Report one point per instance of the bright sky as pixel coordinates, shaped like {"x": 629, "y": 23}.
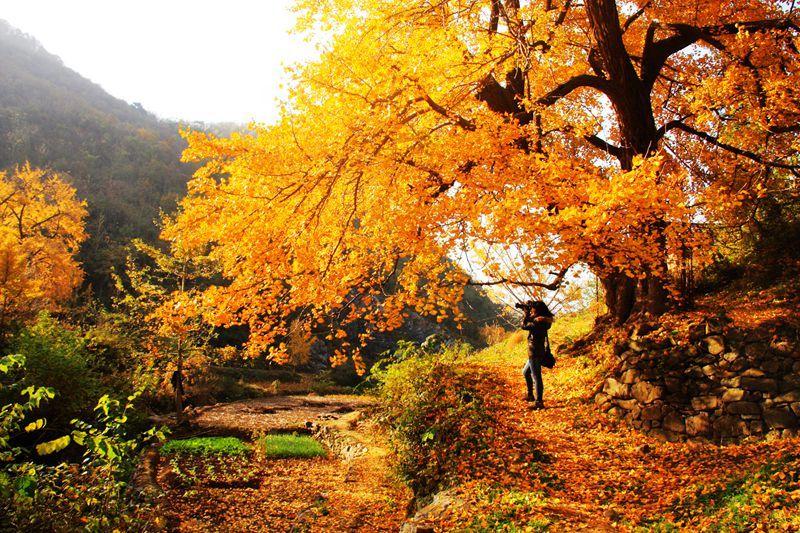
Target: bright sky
{"x": 182, "y": 59}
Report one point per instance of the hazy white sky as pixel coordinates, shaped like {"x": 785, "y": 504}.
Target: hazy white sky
{"x": 182, "y": 59}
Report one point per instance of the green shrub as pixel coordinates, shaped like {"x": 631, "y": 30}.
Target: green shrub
{"x": 207, "y": 446}
{"x": 287, "y": 446}
{"x": 437, "y": 409}
{"x": 56, "y": 357}
{"x": 92, "y": 495}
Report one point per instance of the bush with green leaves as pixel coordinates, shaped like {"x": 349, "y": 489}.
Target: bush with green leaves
{"x": 437, "y": 408}
{"x": 57, "y": 357}
{"x": 92, "y": 495}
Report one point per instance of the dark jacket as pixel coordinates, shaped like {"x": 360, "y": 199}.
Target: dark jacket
{"x": 537, "y": 334}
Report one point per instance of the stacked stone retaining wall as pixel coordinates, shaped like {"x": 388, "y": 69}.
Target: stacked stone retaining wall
{"x": 713, "y": 382}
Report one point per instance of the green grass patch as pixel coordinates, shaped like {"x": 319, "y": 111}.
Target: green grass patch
{"x": 288, "y": 446}
{"x": 206, "y": 446}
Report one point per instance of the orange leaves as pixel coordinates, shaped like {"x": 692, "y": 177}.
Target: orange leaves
{"x": 41, "y": 228}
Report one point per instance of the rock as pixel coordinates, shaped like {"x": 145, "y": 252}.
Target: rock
{"x": 643, "y": 329}
{"x": 733, "y": 383}
{"x": 716, "y": 325}
{"x": 674, "y": 422}
{"x": 709, "y": 371}
{"x": 788, "y": 397}
{"x": 758, "y": 384}
{"x": 651, "y": 412}
{"x": 615, "y": 389}
{"x": 628, "y": 405}
{"x": 730, "y": 357}
{"x": 729, "y": 426}
{"x": 755, "y": 350}
{"x": 630, "y": 376}
{"x": 673, "y": 385}
{"x": 715, "y": 344}
{"x": 753, "y": 373}
{"x": 636, "y": 346}
{"x": 772, "y": 366}
{"x": 601, "y": 398}
{"x": 782, "y": 346}
{"x": 697, "y": 332}
{"x": 698, "y": 424}
{"x": 732, "y": 395}
{"x": 646, "y": 392}
{"x": 780, "y": 418}
{"x": 743, "y": 408}
{"x": 773, "y": 435}
{"x": 796, "y": 408}
{"x": 705, "y": 403}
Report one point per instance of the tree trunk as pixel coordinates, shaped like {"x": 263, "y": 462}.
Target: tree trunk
{"x": 620, "y": 295}
{"x": 634, "y": 113}
{"x": 177, "y": 385}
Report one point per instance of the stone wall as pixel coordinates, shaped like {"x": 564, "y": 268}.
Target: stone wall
{"x": 710, "y": 381}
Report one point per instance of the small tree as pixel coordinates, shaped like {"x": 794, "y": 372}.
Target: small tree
{"x": 41, "y": 228}
{"x": 158, "y": 300}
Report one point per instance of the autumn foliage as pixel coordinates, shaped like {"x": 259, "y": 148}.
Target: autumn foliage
{"x": 41, "y": 228}
{"x": 519, "y": 138}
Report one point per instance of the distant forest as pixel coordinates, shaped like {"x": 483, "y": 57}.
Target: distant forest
{"x": 123, "y": 160}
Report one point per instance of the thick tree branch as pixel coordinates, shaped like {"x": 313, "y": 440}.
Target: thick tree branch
{"x": 583, "y": 80}
{"x": 553, "y": 285}
{"x": 677, "y": 124}
{"x": 604, "y": 145}
{"x": 657, "y": 52}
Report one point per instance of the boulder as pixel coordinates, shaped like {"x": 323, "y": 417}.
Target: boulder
{"x": 630, "y": 376}
{"x": 674, "y": 422}
{"x": 772, "y": 366}
{"x": 754, "y": 350}
{"x": 743, "y": 408}
{"x": 698, "y": 424}
{"x": 758, "y": 384}
{"x": 601, "y": 398}
{"x": 651, "y": 412}
{"x": 705, "y": 403}
{"x": 780, "y": 418}
{"x": 716, "y": 325}
{"x": 729, "y": 426}
{"x": 730, "y": 357}
{"x": 732, "y": 395}
{"x": 646, "y": 392}
{"x": 715, "y": 344}
{"x": 616, "y": 389}
{"x": 788, "y": 397}
{"x": 628, "y": 405}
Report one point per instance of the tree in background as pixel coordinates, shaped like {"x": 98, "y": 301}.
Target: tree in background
{"x": 528, "y": 137}
{"x": 157, "y": 301}
{"x": 41, "y": 229}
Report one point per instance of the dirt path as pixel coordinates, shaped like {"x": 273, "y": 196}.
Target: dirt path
{"x": 321, "y": 494}
{"x": 599, "y": 474}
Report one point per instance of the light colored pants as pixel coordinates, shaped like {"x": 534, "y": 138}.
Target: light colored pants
{"x": 533, "y": 377}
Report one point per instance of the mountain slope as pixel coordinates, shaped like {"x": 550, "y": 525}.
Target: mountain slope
{"x": 123, "y": 160}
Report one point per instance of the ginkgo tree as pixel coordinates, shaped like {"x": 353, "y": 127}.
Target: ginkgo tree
{"x": 41, "y": 229}
{"x": 157, "y": 305}
{"x": 527, "y": 136}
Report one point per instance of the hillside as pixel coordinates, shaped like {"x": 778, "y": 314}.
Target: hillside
{"x": 122, "y": 159}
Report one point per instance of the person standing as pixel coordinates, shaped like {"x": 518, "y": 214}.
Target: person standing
{"x": 537, "y": 320}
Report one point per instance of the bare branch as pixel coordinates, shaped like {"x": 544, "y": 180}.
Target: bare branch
{"x": 677, "y": 124}
{"x": 553, "y": 285}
